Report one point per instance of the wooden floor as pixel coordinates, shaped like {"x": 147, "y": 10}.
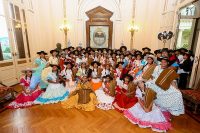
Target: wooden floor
{"x": 54, "y": 119}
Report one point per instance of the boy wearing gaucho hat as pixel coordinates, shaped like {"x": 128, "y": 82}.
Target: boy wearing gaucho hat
{"x": 146, "y": 50}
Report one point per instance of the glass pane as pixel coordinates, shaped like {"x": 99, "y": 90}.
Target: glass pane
{"x": 28, "y": 47}
{"x": 188, "y": 11}
{"x": 12, "y": 14}
{"x": 5, "y": 49}
{"x": 184, "y": 35}
{"x": 19, "y": 39}
{"x": 17, "y": 13}
{"x": 1, "y": 8}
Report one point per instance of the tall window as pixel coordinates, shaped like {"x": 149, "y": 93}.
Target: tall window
{"x": 185, "y": 33}
{"x": 17, "y": 28}
{"x": 188, "y": 26}
{"x": 5, "y": 47}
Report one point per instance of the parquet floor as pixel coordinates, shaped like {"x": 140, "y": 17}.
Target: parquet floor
{"x": 54, "y": 119}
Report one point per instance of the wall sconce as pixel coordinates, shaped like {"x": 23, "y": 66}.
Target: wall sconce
{"x": 65, "y": 27}
{"x": 18, "y": 26}
{"x": 132, "y": 28}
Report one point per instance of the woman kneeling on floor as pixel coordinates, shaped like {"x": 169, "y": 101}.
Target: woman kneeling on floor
{"x": 82, "y": 98}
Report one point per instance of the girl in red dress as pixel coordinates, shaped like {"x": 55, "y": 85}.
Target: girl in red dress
{"x": 26, "y": 98}
{"x": 125, "y": 94}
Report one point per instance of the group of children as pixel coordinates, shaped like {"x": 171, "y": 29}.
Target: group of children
{"x": 141, "y": 85}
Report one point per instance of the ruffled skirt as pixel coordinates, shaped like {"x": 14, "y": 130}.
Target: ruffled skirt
{"x": 105, "y": 101}
{"x": 24, "y": 100}
{"x": 53, "y": 94}
{"x": 170, "y": 100}
{"x": 155, "y": 119}
{"x": 123, "y": 101}
{"x": 73, "y": 102}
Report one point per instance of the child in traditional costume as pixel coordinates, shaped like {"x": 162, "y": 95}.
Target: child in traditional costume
{"x": 53, "y": 59}
{"x": 145, "y": 113}
{"x": 41, "y": 65}
{"x": 106, "y": 94}
{"x": 95, "y": 74}
{"x": 125, "y": 94}
{"x": 106, "y": 70}
{"x": 62, "y": 60}
{"x": 82, "y": 70}
{"x": 27, "y": 97}
{"x": 79, "y": 59}
{"x": 55, "y": 91}
{"x": 138, "y": 64}
{"x": 69, "y": 76}
{"x": 150, "y": 66}
{"x": 119, "y": 72}
{"x": 185, "y": 67}
{"x": 82, "y": 98}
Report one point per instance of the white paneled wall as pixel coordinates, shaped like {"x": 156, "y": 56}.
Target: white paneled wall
{"x": 49, "y": 16}
{"x": 152, "y": 17}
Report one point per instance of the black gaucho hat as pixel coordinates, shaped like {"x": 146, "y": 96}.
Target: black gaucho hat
{"x": 54, "y": 50}
{"x": 146, "y": 48}
{"x": 117, "y": 51}
{"x": 119, "y": 64}
{"x": 95, "y": 62}
{"x": 165, "y": 58}
{"x": 183, "y": 50}
{"x": 88, "y": 48}
{"x": 65, "y": 49}
{"x": 86, "y": 52}
{"x": 171, "y": 51}
{"x": 122, "y": 48}
{"x": 100, "y": 50}
{"x": 109, "y": 76}
{"x": 158, "y": 51}
{"x": 52, "y": 65}
{"x": 75, "y": 52}
{"x": 42, "y": 52}
{"x": 129, "y": 76}
{"x": 139, "y": 55}
{"x": 138, "y": 52}
{"x": 165, "y": 50}
{"x": 66, "y": 63}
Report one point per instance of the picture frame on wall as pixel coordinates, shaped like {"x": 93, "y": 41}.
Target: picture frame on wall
{"x": 99, "y": 28}
{"x": 99, "y": 36}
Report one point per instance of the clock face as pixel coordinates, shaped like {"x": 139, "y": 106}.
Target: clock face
{"x": 99, "y": 37}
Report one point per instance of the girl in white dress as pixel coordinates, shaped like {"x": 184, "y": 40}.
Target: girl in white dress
{"x": 68, "y": 76}
{"x": 82, "y": 71}
{"x": 144, "y": 116}
{"x": 53, "y": 59}
{"x": 106, "y": 70}
{"x": 55, "y": 91}
{"x": 105, "y": 95}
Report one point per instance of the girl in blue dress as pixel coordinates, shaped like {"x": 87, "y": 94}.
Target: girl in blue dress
{"x": 55, "y": 91}
{"x": 41, "y": 63}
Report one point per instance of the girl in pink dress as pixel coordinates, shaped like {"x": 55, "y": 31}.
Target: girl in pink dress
{"x": 26, "y": 98}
